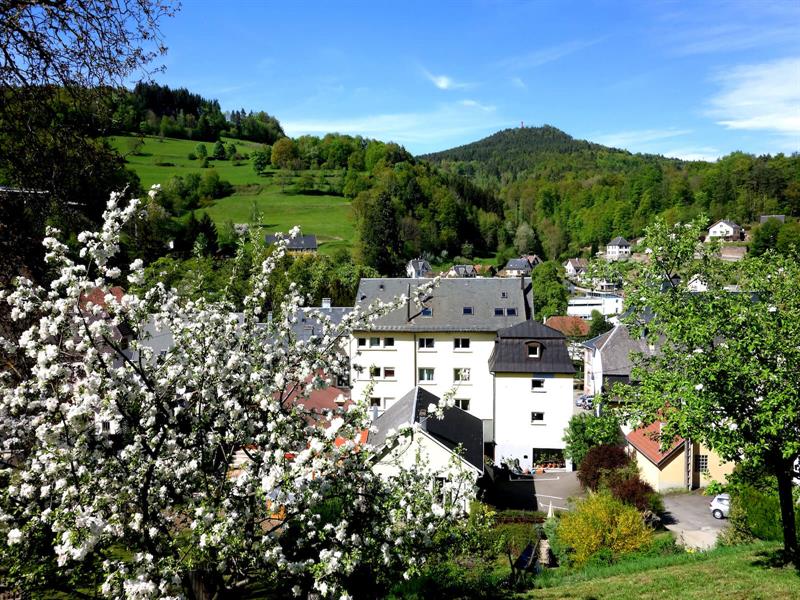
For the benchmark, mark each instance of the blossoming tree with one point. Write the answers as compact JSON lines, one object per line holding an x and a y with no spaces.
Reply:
{"x":728,"y":370}
{"x":118,"y":462}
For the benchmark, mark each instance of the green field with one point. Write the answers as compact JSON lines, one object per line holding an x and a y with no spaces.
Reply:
{"x":738,"y":573}
{"x":328,"y":217}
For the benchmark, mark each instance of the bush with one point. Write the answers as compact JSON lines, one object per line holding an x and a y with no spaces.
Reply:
{"x":192,"y":156}
{"x":757,"y":513}
{"x":626,"y":485}
{"x":602,"y":526}
{"x":597,"y":460}
{"x":714,"y":488}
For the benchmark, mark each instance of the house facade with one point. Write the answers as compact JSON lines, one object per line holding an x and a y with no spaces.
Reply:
{"x":575,"y":267}
{"x":441,"y":345}
{"x":683,"y":465}
{"x":461,"y":271}
{"x":533,"y":395}
{"x":516,"y":267}
{"x":726,"y":230}
{"x":418,"y":268}
{"x":618,"y":248}
{"x":607,"y":359}
{"x":606,"y":304}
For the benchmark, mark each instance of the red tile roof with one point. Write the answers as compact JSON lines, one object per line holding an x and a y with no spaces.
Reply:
{"x":97,"y":296}
{"x":570,"y":326}
{"x":647,"y":440}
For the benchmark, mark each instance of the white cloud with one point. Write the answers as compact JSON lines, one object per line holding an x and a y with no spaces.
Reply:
{"x":543,"y":56}
{"x":419,"y":131}
{"x":475,"y":104}
{"x":762,"y":97}
{"x":706,"y":153}
{"x":730,"y":38}
{"x":517,"y":82}
{"x":632,"y":138}
{"x":443,"y":82}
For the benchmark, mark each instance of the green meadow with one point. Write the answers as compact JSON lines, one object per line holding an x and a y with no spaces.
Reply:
{"x":328,"y":217}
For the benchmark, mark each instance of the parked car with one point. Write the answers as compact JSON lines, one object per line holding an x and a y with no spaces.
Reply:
{"x":584,"y":401}
{"x":720,"y":506}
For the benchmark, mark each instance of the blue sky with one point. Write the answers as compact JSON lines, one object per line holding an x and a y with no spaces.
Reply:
{"x":686,"y":79}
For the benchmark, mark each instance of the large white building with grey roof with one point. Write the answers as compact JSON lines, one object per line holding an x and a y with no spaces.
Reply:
{"x":442,"y":345}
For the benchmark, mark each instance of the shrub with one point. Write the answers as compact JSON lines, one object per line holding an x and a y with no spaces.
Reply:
{"x":626,"y":485}
{"x":597,"y":460}
{"x":714,"y":488}
{"x":757,"y":513}
{"x":192,"y":156}
{"x":602,"y":524}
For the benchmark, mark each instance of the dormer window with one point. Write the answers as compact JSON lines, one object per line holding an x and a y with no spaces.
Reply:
{"x":534,"y":350}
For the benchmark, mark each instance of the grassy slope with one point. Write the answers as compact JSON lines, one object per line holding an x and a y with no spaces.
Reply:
{"x":731,"y":573}
{"x":329,"y":217}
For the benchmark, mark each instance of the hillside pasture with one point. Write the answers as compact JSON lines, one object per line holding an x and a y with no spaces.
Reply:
{"x":327,"y":216}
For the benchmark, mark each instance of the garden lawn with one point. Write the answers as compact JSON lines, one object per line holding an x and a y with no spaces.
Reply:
{"x":739,"y":573}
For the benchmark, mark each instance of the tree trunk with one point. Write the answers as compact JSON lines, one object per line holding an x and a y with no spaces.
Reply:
{"x":787,"y":511}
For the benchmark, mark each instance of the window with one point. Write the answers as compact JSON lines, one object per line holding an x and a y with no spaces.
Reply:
{"x":461,"y":343}
{"x":374,"y":371}
{"x":462,"y":403}
{"x":375,"y":401}
{"x":534,"y":351}
{"x":388,"y":372}
{"x":537,"y":384}
{"x":425,"y":374}
{"x":499,"y":312}
{"x":427,"y":311}
{"x":537,"y":417}
{"x":425,"y":343}
{"x":701,"y":462}
{"x":504,"y":294}
{"x":511,"y":312}
{"x":468,"y":310}
{"x":388,"y":342}
{"x":106,"y":425}
{"x":362,"y":342}
{"x":460,"y":374}
{"x":374,"y":342}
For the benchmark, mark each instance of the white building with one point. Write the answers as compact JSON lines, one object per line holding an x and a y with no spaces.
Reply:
{"x":727,"y":230}
{"x":516,"y":267}
{"x":418,"y":268}
{"x":442,"y":345}
{"x":433,"y":439}
{"x":533,"y":395}
{"x":618,"y":248}
{"x":575,"y":267}
{"x":606,"y":304}
{"x":607,"y":359}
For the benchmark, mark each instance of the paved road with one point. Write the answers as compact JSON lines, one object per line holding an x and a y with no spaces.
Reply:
{"x":556,"y":488}
{"x":688,"y":516}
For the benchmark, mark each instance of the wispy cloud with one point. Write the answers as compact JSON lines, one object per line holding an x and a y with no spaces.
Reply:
{"x":443,"y":82}
{"x":706,"y":153}
{"x":543,"y":56}
{"x":730,"y":38}
{"x":761,"y":97}
{"x":632,"y":139}
{"x":420,"y":131}
{"x":518,"y":83}
{"x":475,"y":104}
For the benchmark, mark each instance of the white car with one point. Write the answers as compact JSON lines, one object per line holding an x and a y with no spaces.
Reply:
{"x":720,"y":506}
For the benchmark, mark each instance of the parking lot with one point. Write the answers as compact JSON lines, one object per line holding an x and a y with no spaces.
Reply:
{"x":689,"y":517}
{"x":556,"y":487}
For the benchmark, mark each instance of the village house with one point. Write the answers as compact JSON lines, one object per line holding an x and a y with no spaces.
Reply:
{"x":461,"y":271}
{"x":445,"y":343}
{"x":575,"y":267}
{"x":418,"y":268}
{"x":618,"y":248}
{"x":435,"y":439}
{"x":533,"y":395}
{"x":726,"y":230}
{"x":300,"y":244}
{"x":516,"y":267}
{"x":683,"y":465}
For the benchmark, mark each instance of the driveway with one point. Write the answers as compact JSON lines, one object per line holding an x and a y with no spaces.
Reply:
{"x":688,"y":516}
{"x":556,"y":488}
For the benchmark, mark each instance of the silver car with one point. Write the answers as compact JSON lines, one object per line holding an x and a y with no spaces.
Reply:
{"x":720,"y":506}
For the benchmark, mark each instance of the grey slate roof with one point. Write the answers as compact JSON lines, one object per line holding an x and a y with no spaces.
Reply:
{"x":301,"y":242}
{"x":306,"y":325}
{"x":619,"y":241}
{"x":510,"y":353}
{"x":420,"y":265}
{"x":456,"y":427}
{"x":464,"y":270}
{"x":447,"y":302}
{"x":519,"y":264}
{"x":616,"y":347}
{"x":764,"y":218}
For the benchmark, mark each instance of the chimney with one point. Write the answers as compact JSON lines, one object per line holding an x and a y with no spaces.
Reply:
{"x":326,"y":303}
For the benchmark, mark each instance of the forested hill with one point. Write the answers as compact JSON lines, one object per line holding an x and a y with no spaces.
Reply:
{"x":538,"y":151}
{"x":564,"y":195}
